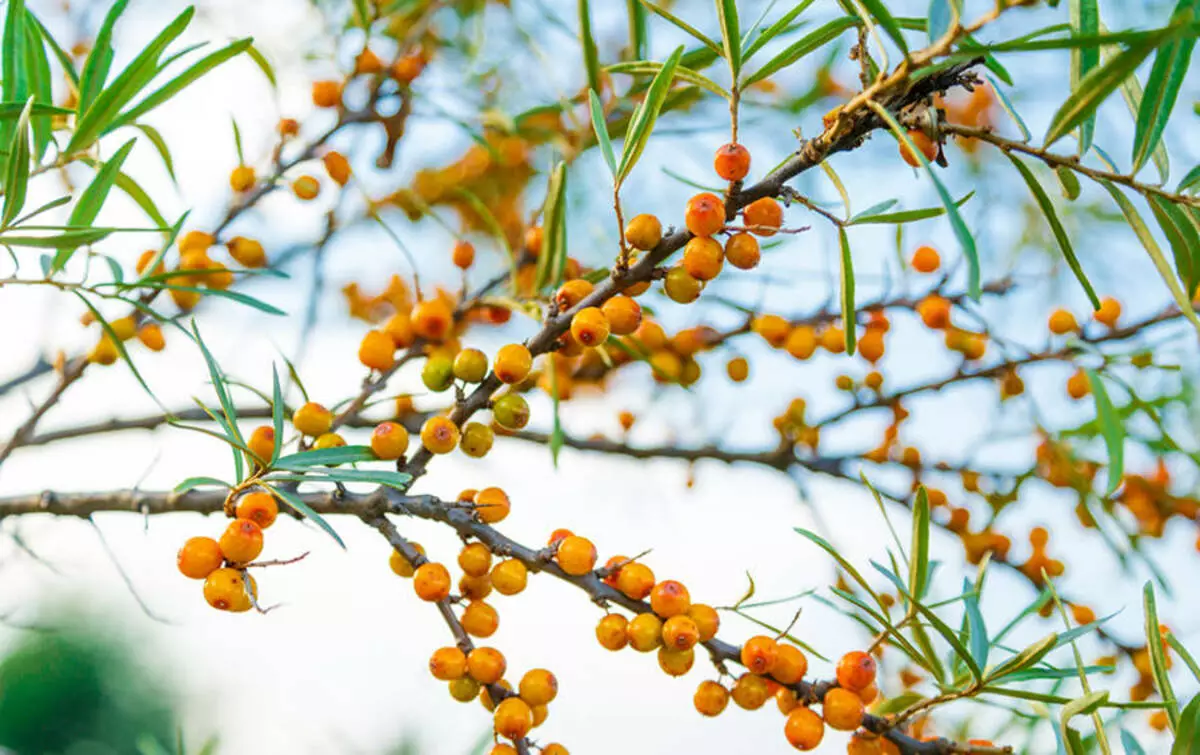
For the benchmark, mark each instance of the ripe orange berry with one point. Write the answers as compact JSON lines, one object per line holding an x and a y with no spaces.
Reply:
{"x":199,"y":557}
{"x":763,"y":216}
{"x":804,"y":729}
{"x":790,"y":664}
{"x":492,"y":505}
{"x":635,"y":580}
{"x":513,"y":718}
{"x":225,"y":590}
{"x":833,"y":339}
{"x":643,"y":232}
{"x":288,"y":127}
{"x":431,"y":581}
{"x":475,"y":559}
{"x":922,"y":143}
{"x":400,"y":565}
{"x":151,"y":336}
{"x":710,"y":698}
{"x":1109,"y":312}
{"x":742,"y":251}
{"x":511,"y":411}
{"x":611,"y":631}
{"x":262,"y":442}
{"x":143,"y":263}
{"x":868,"y":694}
{"x":538,"y":687}
{"x":759,"y":654}
{"x":389,"y":440}
{"x":703,"y":258}
{"x":463,"y":254}
{"x":475,"y":588}
{"x":732,"y":162}
{"x":856,"y":670}
{"x":439,"y":435}
{"x":670,"y":598}
{"x":432,"y":319}
{"x":479,"y":619}
{"x":644,"y":632}
{"x":486,"y":665}
{"x":312,"y":419}
{"x":242,"y":541}
{"x":326,"y":93}
{"x":306,"y":188}
{"x":509,"y":577}
{"x":773,"y":329}
{"x":247,"y":252}
{"x":329,"y":440}
{"x":242,"y":178}
{"x":864,"y":745}
{"x":554,"y":748}
{"x":750,"y":692}
{"x":513,"y":363}
{"x":502,"y":749}
{"x":448,"y":664}
{"x":464,"y":689}
{"x":706,"y":619}
{"x":842,"y":709}
{"x":738,"y":369}
{"x":1078,"y":385}
{"x":680,"y":286}
{"x":400,"y":328}
{"x":926,"y":259}
{"x":377,"y":351}
{"x":680,"y":633}
{"x":705,"y":215}
{"x":934,"y":311}
{"x":571,"y":293}
{"x":576,"y":555}
{"x":676,"y":662}
{"x":338,"y":167}
{"x":871,"y":345}
{"x":623,"y":313}
{"x":590,"y":327}
{"x":1062,"y":322}
{"x":259,"y":507}
{"x":186,"y":301}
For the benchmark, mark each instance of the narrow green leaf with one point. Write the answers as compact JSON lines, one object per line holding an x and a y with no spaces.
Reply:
{"x":13,"y":82}
{"x":1130,"y":744}
{"x":918,"y":564}
{"x":1083,"y":706}
{"x":362,"y":14}
{"x":637,"y":29}
{"x":1183,"y":238}
{"x":977,"y":641}
{"x":1184,"y":655}
{"x":1060,"y":233}
{"x":950,"y":636}
{"x":552,"y":260}
{"x":842,"y":562}
{"x":1111,"y":429}
{"x":1171,"y":63}
{"x":99,"y":59}
{"x":1187,"y":736}
{"x":263,"y":64}
{"x":828,"y":170}
{"x":556,"y":433}
{"x":92,"y":199}
{"x":1190,"y":181}
{"x":848,"y":309}
{"x":11,"y":111}
{"x":276,"y":413}
{"x":217,"y":376}
{"x":196,"y":482}
{"x":1085,"y":21}
{"x":325,"y":457}
{"x":74,"y":237}
{"x":180,"y":82}
{"x":64,"y":59}
{"x":642,"y":122}
{"x":297,"y":503}
{"x":1024,"y":659}
{"x":120,"y":346}
{"x":237,"y":141}
{"x":600,"y":129}
{"x":867,"y":217}
{"x":774,"y":30}
{"x":40,"y":83}
{"x":16,"y":174}
{"x":681,"y":24}
{"x":1158,"y":659}
{"x":814,"y":40}
{"x":591,"y":59}
{"x":1131,"y":93}
{"x":649,"y":67}
{"x":731,"y":35}
{"x":888,"y":22}
{"x":1008,"y":108}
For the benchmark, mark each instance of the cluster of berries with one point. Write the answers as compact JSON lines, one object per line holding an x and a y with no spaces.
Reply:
{"x":222,"y":563}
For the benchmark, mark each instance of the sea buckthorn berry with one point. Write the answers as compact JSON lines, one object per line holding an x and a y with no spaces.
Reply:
{"x":329,"y":440}
{"x":644,"y":632}
{"x":471,"y":366}
{"x":934,"y":311}
{"x":554,"y":748}
{"x":124,"y":327}
{"x":463,"y":254}
{"x":492,"y":505}
{"x":502,"y":749}
{"x":670,"y":598}
{"x":571,"y":293}
{"x":242,"y":541}
{"x":338,"y":167}
{"x":475,"y":588}
{"x":801,"y":342}
{"x":533,"y":240}
{"x":868,"y":694}
{"x":676,"y":662}
{"x":225,"y":590}
{"x":680,"y":633}
{"x":312,"y":419}
{"x":439,"y":435}
{"x":432,"y":319}
{"x":408,"y":67}
{"x":259,"y":507}
{"x":400,"y":328}
{"x":479,"y":619}
{"x":710,"y":698}
{"x":790,"y":664}
{"x":804,"y":729}
{"x":288,"y":127}
{"x":864,"y":745}
{"x":703,"y":258}
{"x":143,"y":264}
{"x":475,"y":559}
{"x":151,"y":336}
{"x":706,"y":619}
{"x":1109,"y":312}
{"x":377,"y":351}
{"x":576,"y":555}
{"x":511,"y":411}
{"x":635,"y":580}
{"x":262,"y":442}
{"x":509,"y":576}
{"x":438,"y":373}
{"x":485,"y":695}
{"x":750,"y":692}
{"x":623,"y":313}
{"x":763,"y":216}
{"x":513,"y":363}
{"x":842,"y":709}
{"x":611,"y":631}
{"x":389,"y":440}
{"x":759,"y":654}
{"x":400,"y":565}
{"x":306,"y":188}
{"x":431,"y":581}
{"x":871,"y":345}
{"x":738,"y":369}
{"x":732,"y":162}
{"x":486,"y":665}
{"x":186,"y":301}
{"x":1062,"y":322}
{"x":926,"y":259}
{"x":464,"y":689}
{"x":242,"y":178}
{"x":833,"y":339}
{"x":773,"y":329}
{"x":923,"y":143}
{"x":538,"y":687}
{"x":513,"y":718}
{"x":856,"y":670}
{"x":1078,"y":385}
{"x":326,"y":93}
{"x":643,"y":232}
{"x":680,"y":286}
{"x":199,"y":557}
{"x":742,"y":251}
{"x":448,"y":664}
{"x":590,"y":327}
{"x":705,"y":214}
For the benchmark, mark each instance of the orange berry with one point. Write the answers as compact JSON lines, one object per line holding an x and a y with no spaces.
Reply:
{"x":513,"y":363}
{"x":367,"y":62}
{"x":242,"y":541}
{"x":1078,"y":385}
{"x":448,"y":664}
{"x":492,"y":505}
{"x":759,"y":654}
{"x":669,"y":598}
{"x":242,"y":178}
{"x":763,"y":216}
{"x":554,"y":748}
{"x":486,"y":665}
{"x":750,"y":692}
{"x":475,"y":588}
{"x":262,"y":442}
{"x":856,"y":670}
{"x":509,"y":577}
{"x":926,"y":259}
{"x":513,"y":718}
{"x":538,"y":687}
{"x":732,"y":162}
{"x":389,"y":440}
{"x":680,"y":286}
{"x":485,"y":695}
{"x":773,"y":329}
{"x":408,"y":67}
{"x":676,"y":662}
{"x":801,"y":342}
{"x":432,"y":319}
{"x":611,"y":631}
{"x":703,"y":258}
{"x":623,"y":313}
{"x":804,"y":729}
{"x":871,"y":346}
{"x":934,"y":311}
{"x":790,"y":664}
{"x":312,"y":419}
{"x":199,"y":557}
{"x":842,"y":709}
{"x":439,"y":435}
{"x":590,"y":327}
{"x":738,"y":369}
{"x":326,"y":93}
{"x":144,"y":262}
{"x":377,"y":351}
{"x":706,"y":619}
{"x":306,"y":187}
{"x":463,"y":254}
{"x":288,"y":127}
{"x":635,"y":580}
{"x":1062,"y":322}
{"x":225,"y":590}
{"x":643,"y":232}
{"x":247,"y":252}
{"x":185,"y":300}
{"x":400,"y":565}
{"x":431,"y":581}
{"x":479,"y":619}
{"x":644,"y":632}
{"x":864,"y":745}
{"x":329,"y":440}
{"x":923,"y":143}
{"x":533,"y":240}
{"x":680,"y":633}
{"x":705,"y":215}
{"x":475,"y":559}
{"x":400,"y":328}
{"x":571,"y":293}
{"x":868,"y":694}
{"x":1109,"y":312}
{"x":151,"y":336}
{"x":710,"y":698}
{"x":259,"y":507}
{"x":742,"y":251}
{"x":833,"y":339}
{"x":576,"y":555}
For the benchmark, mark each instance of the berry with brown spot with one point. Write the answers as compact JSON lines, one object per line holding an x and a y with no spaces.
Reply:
{"x":703,"y":258}
{"x":705,"y":215}
{"x":242,"y":541}
{"x":710,"y":698}
{"x":670,"y":598}
{"x":742,"y":251}
{"x":732,"y":162}
{"x":635,"y":580}
{"x":676,"y":662}
{"x":511,"y":411}
{"x":259,"y":507}
{"x":759,"y":654}
{"x":680,"y":633}
{"x":389,"y":440}
{"x":448,"y":664}
{"x":225,"y":590}
{"x":513,"y":363}
{"x":439,"y":435}
{"x":400,"y":565}
{"x":680,"y":286}
{"x":590,"y":327}
{"x":431,"y":581}
{"x":432,"y":319}
{"x":750,"y":692}
{"x":856,"y":670}
{"x":804,"y":729}
{"x":513,"y":718}
{"x":611,"y":631}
